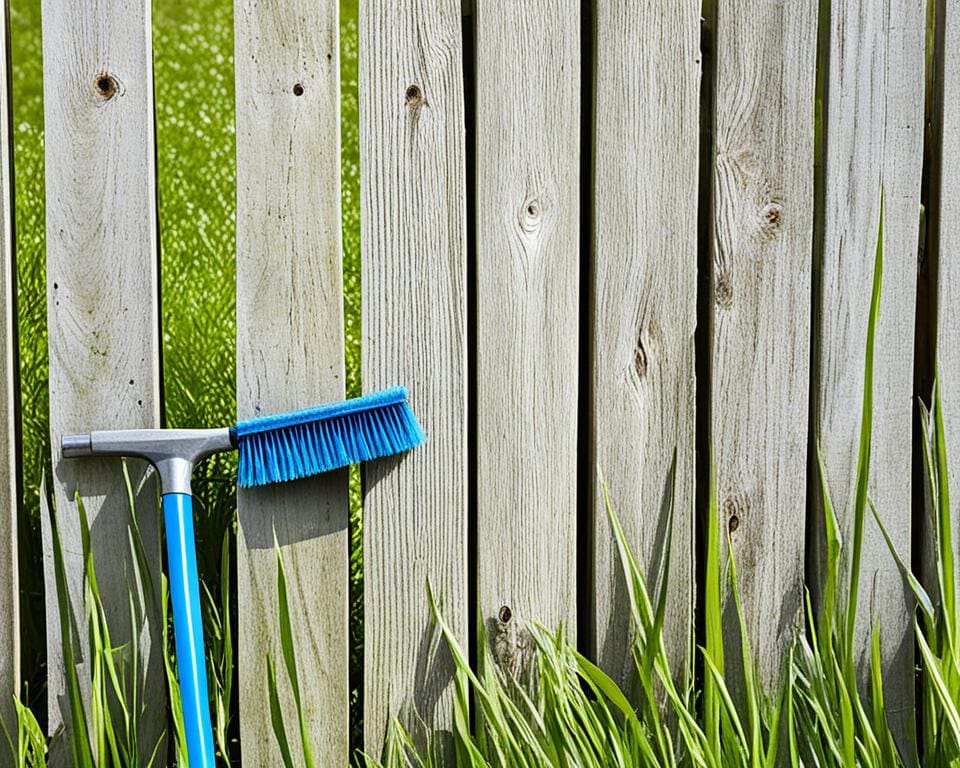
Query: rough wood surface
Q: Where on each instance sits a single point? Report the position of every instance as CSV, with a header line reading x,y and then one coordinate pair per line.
x,y
762,229
646,99
873,136
290,355
528,263
948,254
413,215
9,429
102,305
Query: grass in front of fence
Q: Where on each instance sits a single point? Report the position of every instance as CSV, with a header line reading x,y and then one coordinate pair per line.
x,y
565,711
561,710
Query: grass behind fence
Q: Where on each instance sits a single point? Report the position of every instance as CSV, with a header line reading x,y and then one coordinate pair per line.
x,y
196,177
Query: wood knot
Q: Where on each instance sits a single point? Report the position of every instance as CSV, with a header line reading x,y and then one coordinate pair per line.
x,y
107,86
413,97
513,648
654,331
723,291
640,358
770,216
733,509
530,215
298,89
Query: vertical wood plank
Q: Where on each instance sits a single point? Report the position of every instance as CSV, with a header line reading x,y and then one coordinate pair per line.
x,y
762,229
9,428
873,136
102,304
947,218
413,240
528,249
646,134
290,355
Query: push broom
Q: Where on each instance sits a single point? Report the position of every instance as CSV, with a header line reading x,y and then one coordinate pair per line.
x,y
272,449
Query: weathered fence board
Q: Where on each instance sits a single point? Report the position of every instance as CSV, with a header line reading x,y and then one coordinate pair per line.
x,y
528,265
9,484
947,218
413,219
646,137
290,354
102,304
873,136
762,230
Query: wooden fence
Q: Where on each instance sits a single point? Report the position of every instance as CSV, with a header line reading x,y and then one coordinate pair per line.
x,y
591,233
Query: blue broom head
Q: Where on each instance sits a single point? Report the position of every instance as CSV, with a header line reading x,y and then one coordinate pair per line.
x,y
288,446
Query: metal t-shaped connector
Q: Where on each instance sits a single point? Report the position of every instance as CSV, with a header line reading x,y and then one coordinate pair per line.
x,y
173,452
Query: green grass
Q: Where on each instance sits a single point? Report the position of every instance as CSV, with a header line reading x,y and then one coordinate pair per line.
x,y
193,74
563,710
568,712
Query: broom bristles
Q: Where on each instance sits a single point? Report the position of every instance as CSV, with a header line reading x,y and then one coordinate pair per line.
x,y
302,443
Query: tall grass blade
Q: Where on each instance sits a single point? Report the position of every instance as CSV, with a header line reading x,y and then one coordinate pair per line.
x,y
276,714
947,705
713,619
173,685
80,747
863,457
944,522
289,655
923,599
828,608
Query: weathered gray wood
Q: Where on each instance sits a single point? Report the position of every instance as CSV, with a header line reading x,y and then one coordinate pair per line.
x,y
947,216
646,98
102,303
290,355
413,215
762,228
528,248
9,495
873,136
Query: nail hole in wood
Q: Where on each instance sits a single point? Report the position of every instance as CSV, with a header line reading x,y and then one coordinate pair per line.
x,y
733,523
298,89
107,85
505,614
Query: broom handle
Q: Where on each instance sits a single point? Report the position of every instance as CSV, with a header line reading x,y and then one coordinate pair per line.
x,y
188,628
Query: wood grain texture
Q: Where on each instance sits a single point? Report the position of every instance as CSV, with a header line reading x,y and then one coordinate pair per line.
x,y
947,217
413,237
102,305
873,137
762,233
9,428
528,262
290,355
646,134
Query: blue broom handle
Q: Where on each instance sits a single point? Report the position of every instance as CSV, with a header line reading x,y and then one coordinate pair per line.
x,y
188,628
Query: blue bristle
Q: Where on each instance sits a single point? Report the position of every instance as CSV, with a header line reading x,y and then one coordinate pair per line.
x,y
302,443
